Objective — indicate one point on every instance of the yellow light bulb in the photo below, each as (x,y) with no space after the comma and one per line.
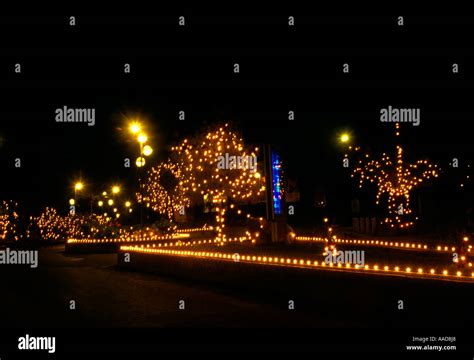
(135,128)
(147,150)
(344,138)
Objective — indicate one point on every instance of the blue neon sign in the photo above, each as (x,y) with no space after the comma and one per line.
(276,183)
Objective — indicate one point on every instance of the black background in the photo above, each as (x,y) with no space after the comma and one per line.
(282,68)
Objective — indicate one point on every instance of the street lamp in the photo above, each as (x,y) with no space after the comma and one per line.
(142,138)
(135,128)
(344,138)
(78,186)
(145,150)
(115,189)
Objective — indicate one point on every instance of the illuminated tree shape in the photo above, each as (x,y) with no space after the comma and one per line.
(396,179)
(54,227)
(9,219)
(201,158)
(163,189)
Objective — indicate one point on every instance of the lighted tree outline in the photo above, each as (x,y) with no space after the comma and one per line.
(161,193)
(199,157)
(396,179)
(9,221)
(55,227)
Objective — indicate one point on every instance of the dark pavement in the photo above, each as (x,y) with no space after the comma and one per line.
(107,296)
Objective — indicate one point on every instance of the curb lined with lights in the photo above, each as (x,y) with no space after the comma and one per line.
(184,233)
(412,272)
(128,239)
(179,243)
(381,243)
(204,228)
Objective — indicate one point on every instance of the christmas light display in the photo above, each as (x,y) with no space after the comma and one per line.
(162,190)
(200,159)
(396,179)
(54,227)
(9,221)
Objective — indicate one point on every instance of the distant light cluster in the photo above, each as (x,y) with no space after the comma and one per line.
(54,227)
(9,221)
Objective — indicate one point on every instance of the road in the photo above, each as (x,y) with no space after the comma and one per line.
(106,296)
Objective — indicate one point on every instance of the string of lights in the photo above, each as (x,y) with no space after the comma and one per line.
(408,271)
(160,241)
(381,243)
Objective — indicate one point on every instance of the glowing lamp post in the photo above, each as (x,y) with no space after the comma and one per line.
(344,138)
(135,128)
(145,150)
(77,187)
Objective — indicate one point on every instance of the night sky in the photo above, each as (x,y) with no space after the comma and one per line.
(190,69)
